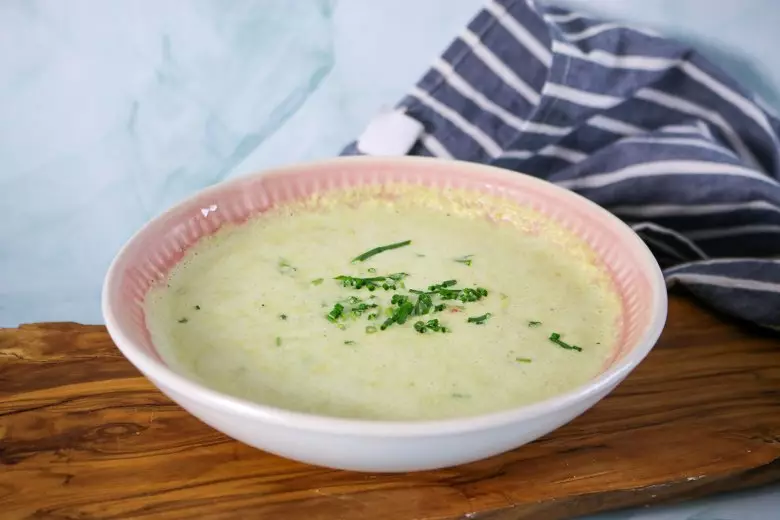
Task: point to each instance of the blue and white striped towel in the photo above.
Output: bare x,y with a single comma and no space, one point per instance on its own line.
642,125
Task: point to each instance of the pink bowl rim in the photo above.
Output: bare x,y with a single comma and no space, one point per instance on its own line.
162,376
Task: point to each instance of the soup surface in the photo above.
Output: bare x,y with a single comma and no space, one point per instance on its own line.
393,303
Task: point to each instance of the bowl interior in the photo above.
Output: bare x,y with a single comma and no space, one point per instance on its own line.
160,245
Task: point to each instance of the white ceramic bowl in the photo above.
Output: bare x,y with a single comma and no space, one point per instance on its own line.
378,446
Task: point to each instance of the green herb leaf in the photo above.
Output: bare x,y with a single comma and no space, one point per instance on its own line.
373,283
449,294
472,295
372,270
359,283
360,308
370,329
349,342
278,341
317,281
440,307
404,311
523,360
399,299
556,338
446,291
423,305
464,260
401,313
381,249
533,324
442,285
335,313
431,325
183,320
479,320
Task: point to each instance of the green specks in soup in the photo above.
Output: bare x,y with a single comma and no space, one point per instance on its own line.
391,303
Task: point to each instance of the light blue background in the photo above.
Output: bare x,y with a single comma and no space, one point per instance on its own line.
112,111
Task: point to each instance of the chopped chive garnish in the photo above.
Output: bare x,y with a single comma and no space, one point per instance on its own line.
401,313
335,313
373,283
349,280
479,320
183,320
359,283
317,281
533,324
278,341
442,285
349,342
381,249
556,338
523,359
399,299
445,291
404,304
449,294
471,295
423,305
464,260
431,325
359,309
404,310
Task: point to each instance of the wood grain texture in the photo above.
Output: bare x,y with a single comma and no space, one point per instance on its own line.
84,436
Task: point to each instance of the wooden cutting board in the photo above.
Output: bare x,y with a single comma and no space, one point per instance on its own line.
84,435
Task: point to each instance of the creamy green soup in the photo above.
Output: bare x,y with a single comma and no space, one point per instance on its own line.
399,304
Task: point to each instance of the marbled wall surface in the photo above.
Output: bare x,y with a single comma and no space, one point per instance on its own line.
112,111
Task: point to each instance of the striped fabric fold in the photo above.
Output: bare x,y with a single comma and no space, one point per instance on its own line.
640,124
